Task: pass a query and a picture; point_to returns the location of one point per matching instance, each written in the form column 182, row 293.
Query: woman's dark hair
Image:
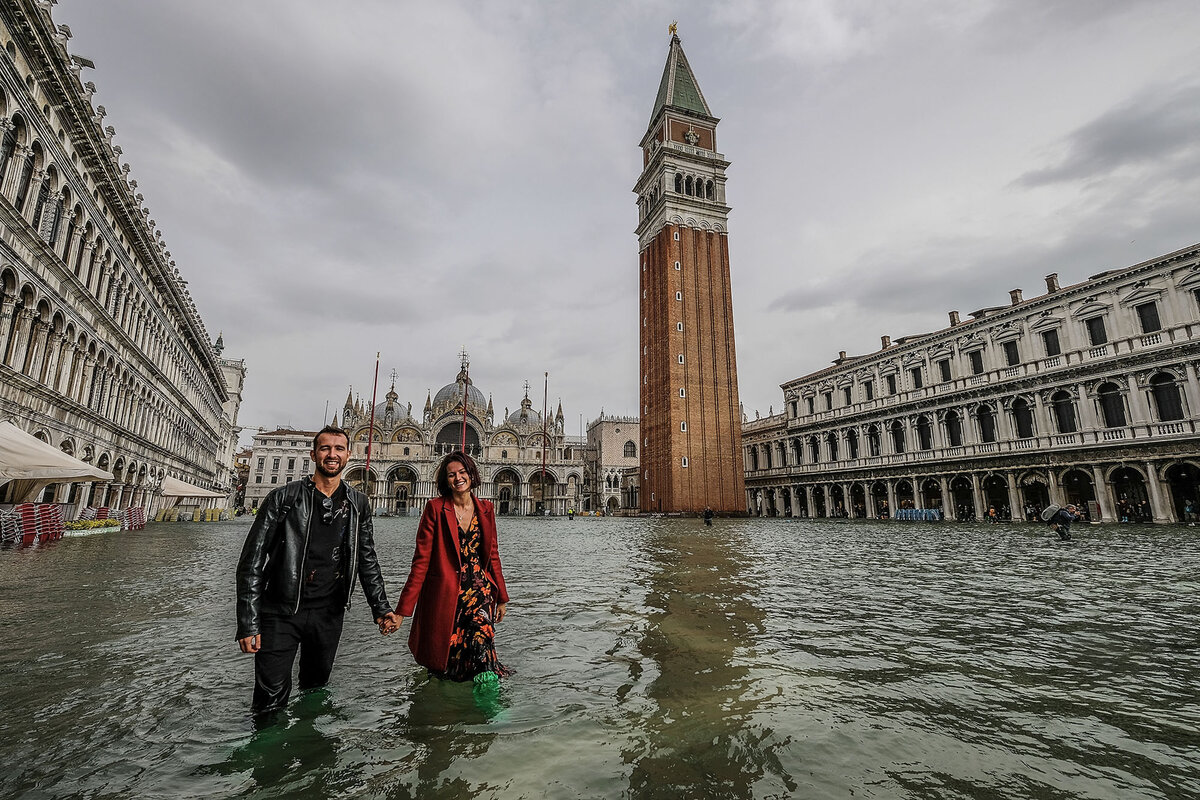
column 443, row 480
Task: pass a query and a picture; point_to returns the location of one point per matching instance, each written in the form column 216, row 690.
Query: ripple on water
column 653, row 658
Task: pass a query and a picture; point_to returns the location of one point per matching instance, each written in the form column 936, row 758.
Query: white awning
column 173, row 487
column 34, row 465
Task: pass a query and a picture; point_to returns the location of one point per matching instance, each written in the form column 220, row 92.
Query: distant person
column 570, row 514
column 1061, row 521
column 310, row 541
column 708, row 516
column 455, row 608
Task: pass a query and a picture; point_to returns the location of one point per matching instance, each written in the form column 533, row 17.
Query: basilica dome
column 450, row 395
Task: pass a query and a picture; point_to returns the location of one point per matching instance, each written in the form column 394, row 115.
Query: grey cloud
column 1152, row 128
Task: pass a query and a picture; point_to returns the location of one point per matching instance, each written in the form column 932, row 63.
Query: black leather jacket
column 272, row 563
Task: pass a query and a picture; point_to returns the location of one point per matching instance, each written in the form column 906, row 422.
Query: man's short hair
column 331, row 429
column 443, row 470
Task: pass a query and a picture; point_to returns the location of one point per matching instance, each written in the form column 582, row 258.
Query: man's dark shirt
column 325, row 563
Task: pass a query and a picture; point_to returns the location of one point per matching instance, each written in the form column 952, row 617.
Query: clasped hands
column 389, row 623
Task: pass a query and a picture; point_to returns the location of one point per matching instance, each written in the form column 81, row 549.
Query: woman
column 456, row 585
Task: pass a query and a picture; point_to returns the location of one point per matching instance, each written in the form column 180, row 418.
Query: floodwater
column 653, row 657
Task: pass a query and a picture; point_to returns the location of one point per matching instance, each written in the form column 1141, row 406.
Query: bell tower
column 691, row 454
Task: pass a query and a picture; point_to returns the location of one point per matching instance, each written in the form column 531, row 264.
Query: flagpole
column 545, row 396
column 466, row 367
column 371, row 432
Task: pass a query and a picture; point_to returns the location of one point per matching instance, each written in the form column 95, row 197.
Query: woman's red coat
column 432, row 586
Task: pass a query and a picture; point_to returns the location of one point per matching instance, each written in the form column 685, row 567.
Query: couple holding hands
column 313, row 538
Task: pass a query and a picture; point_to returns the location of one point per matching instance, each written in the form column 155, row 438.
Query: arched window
column 1064, row 412
column 852, row 443
column 708, row 190
column 678, row 183
column 954, row 428
column 1166, row 397
column 1023, row 417
column 832, row 442
column 924, row 433
column 814, row 449
column 687, row 186
column 630, row 449
column 1112, row 406
column 7, row 146
column 768, row 454
column 987, row 423
column 23, row 182
column 897, row 429
column 873, row 441
column 753, row 458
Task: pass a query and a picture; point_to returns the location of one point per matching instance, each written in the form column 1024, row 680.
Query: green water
column 653, row 658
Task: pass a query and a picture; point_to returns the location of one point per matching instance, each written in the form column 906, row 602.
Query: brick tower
column 691, row 455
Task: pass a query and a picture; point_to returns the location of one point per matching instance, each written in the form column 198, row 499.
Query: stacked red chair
column 48, row 521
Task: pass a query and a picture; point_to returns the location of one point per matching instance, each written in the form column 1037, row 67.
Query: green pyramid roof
column 678, row 88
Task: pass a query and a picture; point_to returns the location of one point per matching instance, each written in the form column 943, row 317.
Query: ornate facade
column 690, row 423
column 408, row 448
column 1087, row 394
column 102, row 351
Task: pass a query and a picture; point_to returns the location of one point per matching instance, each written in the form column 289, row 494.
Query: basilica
column 527, row 463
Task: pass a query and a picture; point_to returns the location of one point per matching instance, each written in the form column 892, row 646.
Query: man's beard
column 321, row 469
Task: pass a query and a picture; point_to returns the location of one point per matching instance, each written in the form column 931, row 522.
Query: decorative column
column 1016, row 511
column 1139, row 407
column 1191, row 388
column 37, row 349
column 1041, row 415
column 22, row 333
column 808, row 498
column 891, row 497
column 1106, row 510
column 50, row 362
column 847, row 501
column 977, row 496
column 1056, row 493
column 1159, row 508
column 8, row 307
column 1087, row 409
column 947, row 501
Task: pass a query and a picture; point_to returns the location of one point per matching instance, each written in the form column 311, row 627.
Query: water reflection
column 704, row 616
column 654, row 659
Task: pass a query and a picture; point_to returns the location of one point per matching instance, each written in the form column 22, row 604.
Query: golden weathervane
column 673, row 27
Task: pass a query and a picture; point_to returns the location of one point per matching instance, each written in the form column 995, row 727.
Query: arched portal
column 879, row 497
column 931, row 494
column 1079, row 490
column 1184, row 483
column 820, row 507
column 1035, row 495
column 507, row 488
column 995, row 496
column 1131, row 500
column 837, row 501
column 403, row 481
column 904, row 494
column 858, row 501
column 962, row 496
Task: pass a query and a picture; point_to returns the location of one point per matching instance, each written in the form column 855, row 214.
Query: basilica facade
column 103, row 353
column 1086, row 394
column 527, row 465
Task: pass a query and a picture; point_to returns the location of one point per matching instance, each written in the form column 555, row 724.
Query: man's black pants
column 315, row 632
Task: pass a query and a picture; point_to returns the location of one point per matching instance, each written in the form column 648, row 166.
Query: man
column 1061, row 521
column 309, row 542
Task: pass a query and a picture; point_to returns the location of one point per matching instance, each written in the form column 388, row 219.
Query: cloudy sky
column 336, row 179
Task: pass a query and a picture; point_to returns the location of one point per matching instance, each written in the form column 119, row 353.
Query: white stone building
column 611, row 468
column 1085, row 394
column 277, row 457
column 102, row 350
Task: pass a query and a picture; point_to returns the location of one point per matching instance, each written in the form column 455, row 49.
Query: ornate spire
column 334, row 423
column 679, row 88
column 219, row 345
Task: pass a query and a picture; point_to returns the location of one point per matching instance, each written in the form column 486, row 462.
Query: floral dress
column 472, row 643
